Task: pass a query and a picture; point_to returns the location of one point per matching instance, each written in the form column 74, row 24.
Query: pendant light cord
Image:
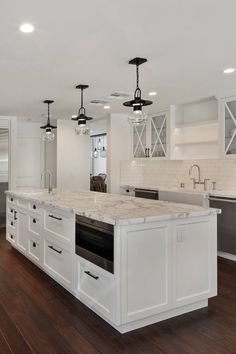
column 48, row 122
column 137, row 76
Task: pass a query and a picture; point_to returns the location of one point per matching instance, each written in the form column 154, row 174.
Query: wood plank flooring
column 39, row 316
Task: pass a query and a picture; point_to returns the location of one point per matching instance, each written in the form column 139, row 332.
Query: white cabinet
column 152, row 139
column 22, row 231
column 58, row 262
column 97, row 288
column 146, row 261
column 195, row 262
column 227, row 109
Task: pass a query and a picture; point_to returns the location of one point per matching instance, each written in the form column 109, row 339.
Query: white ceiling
column 187, row 43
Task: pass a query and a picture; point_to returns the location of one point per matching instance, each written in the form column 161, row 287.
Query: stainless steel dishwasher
column 226, row 223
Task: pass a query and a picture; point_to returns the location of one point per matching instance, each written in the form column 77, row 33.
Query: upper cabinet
column 227, row 111
column 152, row 139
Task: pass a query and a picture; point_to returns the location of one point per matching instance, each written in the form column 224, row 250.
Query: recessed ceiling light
column 26, row 28
column 153, row 93
column 74, row 116
column 229, row 71
column 106, row 107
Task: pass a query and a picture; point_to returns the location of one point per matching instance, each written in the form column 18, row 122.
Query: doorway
column 98, row 162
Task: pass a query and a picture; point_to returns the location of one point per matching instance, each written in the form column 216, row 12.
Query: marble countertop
column 115, row 209
column 220, row 193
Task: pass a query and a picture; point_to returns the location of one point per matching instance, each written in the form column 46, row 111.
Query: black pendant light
column 82, row 118
column 137, row 117
column 48, row 133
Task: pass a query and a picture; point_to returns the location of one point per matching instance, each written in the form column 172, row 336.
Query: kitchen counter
column 210, row 192
column 113, row 208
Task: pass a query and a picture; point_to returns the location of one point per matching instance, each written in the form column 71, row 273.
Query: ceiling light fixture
column 48, row 134
column 153, row 93
column 138, row 117
column 106, row 107
column 229, row 71
column 26, row 28
column 74, row 116
column 82, row 128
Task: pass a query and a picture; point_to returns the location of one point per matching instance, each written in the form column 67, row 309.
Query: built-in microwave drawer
column 60, row 225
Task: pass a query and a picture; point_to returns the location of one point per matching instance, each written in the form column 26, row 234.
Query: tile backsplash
column 171, row 173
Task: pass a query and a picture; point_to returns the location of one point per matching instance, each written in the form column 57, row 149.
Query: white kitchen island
column 165, row 254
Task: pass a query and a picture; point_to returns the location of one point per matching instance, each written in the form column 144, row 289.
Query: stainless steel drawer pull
column 54, row 249
column 91, row 275
column 54, row 217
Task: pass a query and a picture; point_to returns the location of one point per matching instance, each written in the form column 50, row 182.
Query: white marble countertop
column 220, row 193
column 113, row 208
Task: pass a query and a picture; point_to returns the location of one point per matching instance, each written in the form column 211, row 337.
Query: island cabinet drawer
column 11, row 199
column 11, row 236
column 60, row 225
column 11, row 223
column 34, row 250
column 96, row 289
column 33, row 206
column 11, row 210
column 34, row 225
column 58, row 262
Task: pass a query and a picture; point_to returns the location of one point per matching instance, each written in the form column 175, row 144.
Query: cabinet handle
column 54, row 217
column 91, row 275
column 11, row 199
column 34, row 244
column 34, row 221
column 15, row 213
column 11, row 210
column 54, row 249
column 34, row 206
column 12, row 223
column 11, row 237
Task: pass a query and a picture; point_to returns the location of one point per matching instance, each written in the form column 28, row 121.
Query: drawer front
column 96, row 290
column 34, row 207
column 11, row 236
column 61, row 226
column 58, row 263
column 34, row 225
column 34, row 251
column 10, row 209
column 11, row 223
column 23, row 203
column 11, row 199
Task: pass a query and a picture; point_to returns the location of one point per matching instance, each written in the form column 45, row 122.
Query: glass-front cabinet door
column 140, row 141
column 229, row 111
column 158, row 127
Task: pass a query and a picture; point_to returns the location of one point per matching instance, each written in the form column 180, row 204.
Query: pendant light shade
column 48, row 133
column 137, row 117
column 82, row 128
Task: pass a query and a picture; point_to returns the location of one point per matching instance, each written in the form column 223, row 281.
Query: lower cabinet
column 195, row 262
column 58, row 262
column 34, row 250
column 146, row 264
column 97, row 288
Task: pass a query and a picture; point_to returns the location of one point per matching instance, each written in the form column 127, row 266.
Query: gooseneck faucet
column 198, row 180
column 49, row 173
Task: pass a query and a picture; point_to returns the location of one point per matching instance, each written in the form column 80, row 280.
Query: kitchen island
column 164, row 255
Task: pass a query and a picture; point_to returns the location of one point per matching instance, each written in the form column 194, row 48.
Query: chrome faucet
column 49, row 173
column 198, row 180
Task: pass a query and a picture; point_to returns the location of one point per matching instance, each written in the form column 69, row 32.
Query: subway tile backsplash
column 170, row 174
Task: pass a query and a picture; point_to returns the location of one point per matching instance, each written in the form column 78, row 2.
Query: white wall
column 30, row 155
column 73, row 157
column 51, row 158
column 119, row 148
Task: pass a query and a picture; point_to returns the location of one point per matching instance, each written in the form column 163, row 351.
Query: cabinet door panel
column 147, row 253
column 139, row 141
column 194, row 257
column 22, row 231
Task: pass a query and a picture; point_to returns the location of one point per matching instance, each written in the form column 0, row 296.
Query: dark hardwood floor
column 39, row 316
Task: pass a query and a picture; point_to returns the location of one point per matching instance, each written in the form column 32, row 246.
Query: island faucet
column 49, row 173
column 198, row 181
